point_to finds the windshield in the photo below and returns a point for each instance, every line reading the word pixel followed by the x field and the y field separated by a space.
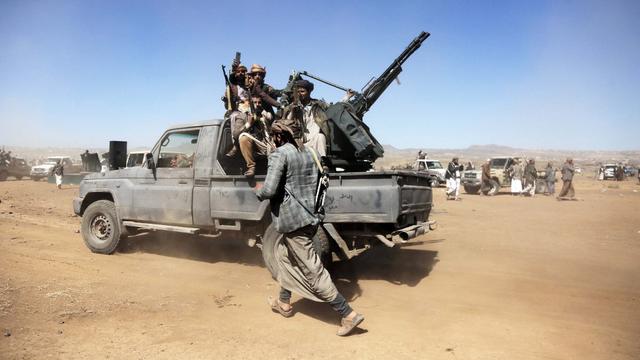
pixel 498 163
pixel 434 165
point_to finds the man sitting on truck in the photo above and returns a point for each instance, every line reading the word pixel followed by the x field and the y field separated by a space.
pixel 307 119
pixel 254 138
pixel 291 186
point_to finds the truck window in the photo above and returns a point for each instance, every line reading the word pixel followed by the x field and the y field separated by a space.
pixel 498 163
pixel 421 166
pixel 434 165
pixel 177 149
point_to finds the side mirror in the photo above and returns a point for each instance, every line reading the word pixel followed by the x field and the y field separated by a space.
pixel 152 165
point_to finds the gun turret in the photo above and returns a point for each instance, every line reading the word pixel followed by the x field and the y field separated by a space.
pixel 352 146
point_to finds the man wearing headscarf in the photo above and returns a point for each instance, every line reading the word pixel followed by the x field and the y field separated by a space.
pixel 516 170
pixel 530 176
pixel 257 87
pixel 307 118
pixel 451 175
pixel 550 178
pixel 567 192
pixel 236 92
pixel 290 185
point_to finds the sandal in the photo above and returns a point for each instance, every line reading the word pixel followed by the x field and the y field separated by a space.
pixel 275 307
pixel 347 326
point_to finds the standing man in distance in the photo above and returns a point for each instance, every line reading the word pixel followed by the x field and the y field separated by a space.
pixel 290 184
pixel 58 172
pixel 567 192
pixel 486 177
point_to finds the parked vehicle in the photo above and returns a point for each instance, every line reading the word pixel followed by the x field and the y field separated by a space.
pixel 433 168
pixel 472 179
pixel 15 167
pixel 43 171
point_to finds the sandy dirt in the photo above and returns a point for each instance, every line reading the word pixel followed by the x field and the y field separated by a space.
pixel 501 278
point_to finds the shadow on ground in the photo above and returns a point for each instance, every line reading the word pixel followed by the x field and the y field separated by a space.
pixel 402 265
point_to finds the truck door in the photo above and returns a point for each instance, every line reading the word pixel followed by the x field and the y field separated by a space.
pixel 167 198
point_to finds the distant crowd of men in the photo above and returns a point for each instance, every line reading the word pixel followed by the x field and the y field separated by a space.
pixel 523 176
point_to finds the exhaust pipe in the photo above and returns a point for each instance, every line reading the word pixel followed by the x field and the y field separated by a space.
pixel 403 235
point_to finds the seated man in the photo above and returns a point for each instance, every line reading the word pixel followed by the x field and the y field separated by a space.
pixel 308 119
pixel 254 138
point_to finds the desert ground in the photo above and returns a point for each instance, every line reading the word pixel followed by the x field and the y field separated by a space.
pixel 501 278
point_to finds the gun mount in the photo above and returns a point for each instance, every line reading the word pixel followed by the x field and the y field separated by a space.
pixel 352 147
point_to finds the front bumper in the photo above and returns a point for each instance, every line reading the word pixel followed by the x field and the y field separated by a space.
pixel 471 182
pixel 77 205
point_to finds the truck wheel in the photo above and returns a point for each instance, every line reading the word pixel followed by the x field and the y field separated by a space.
pixel 493 190
pixel 19 177
pixel 100 228
pixel 471 189
pixel 434 183
pixel 3 175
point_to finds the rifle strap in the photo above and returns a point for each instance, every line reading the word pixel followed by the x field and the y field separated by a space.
pixel 317 161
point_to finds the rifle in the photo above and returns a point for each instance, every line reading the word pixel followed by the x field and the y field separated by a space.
pixel 228 90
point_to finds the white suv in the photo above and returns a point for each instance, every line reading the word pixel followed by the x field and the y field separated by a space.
pixel 44 170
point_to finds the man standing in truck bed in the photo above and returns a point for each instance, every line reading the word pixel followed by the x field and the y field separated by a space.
pixel 294 263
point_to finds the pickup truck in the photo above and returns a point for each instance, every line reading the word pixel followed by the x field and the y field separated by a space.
pixel 207 195
pixel 188 184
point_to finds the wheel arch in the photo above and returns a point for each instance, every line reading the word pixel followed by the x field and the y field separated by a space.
pixel 90 198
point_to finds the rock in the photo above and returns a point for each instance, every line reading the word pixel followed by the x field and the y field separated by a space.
pixel 7 332
pixel 59 331
pixel 76 231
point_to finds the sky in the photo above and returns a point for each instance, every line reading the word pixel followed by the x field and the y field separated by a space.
pixel 528 74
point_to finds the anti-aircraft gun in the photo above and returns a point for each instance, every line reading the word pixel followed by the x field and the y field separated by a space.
pixel 352 147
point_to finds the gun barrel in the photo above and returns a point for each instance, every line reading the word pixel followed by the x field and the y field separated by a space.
pixel 376 87
pixel 325 81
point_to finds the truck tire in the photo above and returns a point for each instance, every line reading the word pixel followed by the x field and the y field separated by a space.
pixel 100 228
pixel 493 190
pixel 19 177
pixel 471 189
pixel 3 175
pixel 434 182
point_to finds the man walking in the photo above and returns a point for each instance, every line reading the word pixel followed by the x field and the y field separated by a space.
pixel 451 175
pixel 486 179
pixel 291 184
pixel 567 192
pixel 530 176
pixel 550 177
pixel 58 172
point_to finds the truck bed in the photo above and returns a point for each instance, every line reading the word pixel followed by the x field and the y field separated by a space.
pixel 368 197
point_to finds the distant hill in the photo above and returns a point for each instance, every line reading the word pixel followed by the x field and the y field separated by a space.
pixel 397 156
